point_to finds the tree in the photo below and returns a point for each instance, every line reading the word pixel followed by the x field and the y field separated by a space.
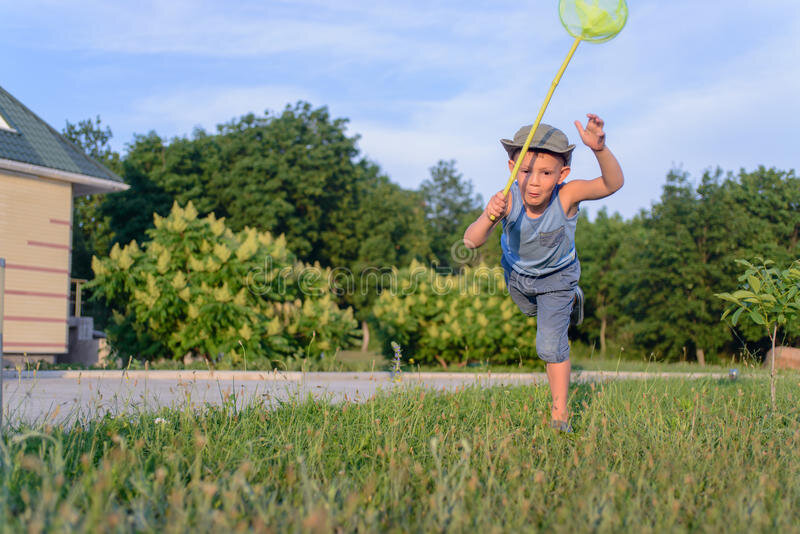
pixel 672 286
pixel 770 198
pixel 674 258
pixel 694 233
pixel 771 298
pixel 449 206
pixel 90 136
pixel 385 228
pixel 296 173
pixel 130 213
pixel 388 231
pixel 598 244
pixel 91 231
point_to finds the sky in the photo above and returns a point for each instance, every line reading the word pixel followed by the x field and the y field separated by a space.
pixel 688 84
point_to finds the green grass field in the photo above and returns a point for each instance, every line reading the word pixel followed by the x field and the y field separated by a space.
pixel 654 456
pixel 583 357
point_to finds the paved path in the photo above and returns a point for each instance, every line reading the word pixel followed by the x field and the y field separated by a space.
pixel 56 396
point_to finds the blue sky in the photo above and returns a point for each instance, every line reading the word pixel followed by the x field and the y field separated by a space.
pixel 692 84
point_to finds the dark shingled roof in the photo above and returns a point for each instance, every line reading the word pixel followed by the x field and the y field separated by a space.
pixel 36 143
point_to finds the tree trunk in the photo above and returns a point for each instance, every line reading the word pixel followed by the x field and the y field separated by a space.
pixel 364 336
pixel 772 367
pixel 701 356
pixel 603 322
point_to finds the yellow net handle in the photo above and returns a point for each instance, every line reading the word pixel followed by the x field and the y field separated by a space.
pixel 527 143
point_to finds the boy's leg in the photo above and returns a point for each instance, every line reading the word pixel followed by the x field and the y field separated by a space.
pixel 525 303
pixel 554 310
pixel 558 376
pixel 552 345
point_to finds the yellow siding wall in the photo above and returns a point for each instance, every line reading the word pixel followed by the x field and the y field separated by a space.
pixel 35 235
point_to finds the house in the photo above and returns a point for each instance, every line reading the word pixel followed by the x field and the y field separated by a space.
pixel 40 173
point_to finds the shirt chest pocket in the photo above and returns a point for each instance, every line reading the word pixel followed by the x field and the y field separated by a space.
pixel 551 239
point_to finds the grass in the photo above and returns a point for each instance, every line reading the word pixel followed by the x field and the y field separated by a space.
pixel 353 361
pixel 655 456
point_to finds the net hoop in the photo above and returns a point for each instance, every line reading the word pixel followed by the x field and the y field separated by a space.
pixel 594 21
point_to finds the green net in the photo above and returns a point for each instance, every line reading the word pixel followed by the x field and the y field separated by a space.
pixel 595 21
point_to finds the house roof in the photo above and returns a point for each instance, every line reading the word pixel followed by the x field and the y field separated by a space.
pixel 32 141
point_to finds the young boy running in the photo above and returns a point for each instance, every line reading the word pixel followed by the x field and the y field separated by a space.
pixel 538 242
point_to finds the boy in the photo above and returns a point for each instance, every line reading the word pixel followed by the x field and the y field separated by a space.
pixel 538 242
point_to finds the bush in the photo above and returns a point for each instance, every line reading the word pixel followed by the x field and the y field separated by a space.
pixel 198 288
pixel 454 318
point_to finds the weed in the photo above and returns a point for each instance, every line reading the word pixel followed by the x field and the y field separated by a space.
pixel 656 455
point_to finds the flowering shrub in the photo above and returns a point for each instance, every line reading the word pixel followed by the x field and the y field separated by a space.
pixel 198 288
pixel 455 318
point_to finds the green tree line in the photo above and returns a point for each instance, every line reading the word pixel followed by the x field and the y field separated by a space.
pixel 295 173
pixel 649 280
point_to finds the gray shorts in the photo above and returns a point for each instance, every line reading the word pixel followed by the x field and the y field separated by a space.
pixel 549 298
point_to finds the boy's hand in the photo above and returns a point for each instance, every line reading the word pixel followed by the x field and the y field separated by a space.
pixel 496 208
pixel 593 135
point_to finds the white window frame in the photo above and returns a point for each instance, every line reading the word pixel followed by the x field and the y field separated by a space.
pixel 4 125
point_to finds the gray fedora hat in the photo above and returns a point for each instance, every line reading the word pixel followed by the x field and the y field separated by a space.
pixel 546 137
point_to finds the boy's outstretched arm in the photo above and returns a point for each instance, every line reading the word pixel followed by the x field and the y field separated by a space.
pixel 478 232
pixel 611 178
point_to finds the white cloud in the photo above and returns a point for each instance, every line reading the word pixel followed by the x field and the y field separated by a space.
pixel 687 82
pixel 182 111
pixel 735 117
pixel 729 107
pixel 454 39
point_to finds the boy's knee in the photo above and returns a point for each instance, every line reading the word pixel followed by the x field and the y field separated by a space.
pixel 552 342
pixel 551 349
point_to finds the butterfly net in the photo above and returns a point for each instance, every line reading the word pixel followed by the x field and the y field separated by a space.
pixel 596 21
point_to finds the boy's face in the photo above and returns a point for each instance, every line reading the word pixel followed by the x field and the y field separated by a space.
pixel 538 176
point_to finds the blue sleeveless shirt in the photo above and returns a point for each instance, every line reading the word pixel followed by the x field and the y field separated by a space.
pixel 536 247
